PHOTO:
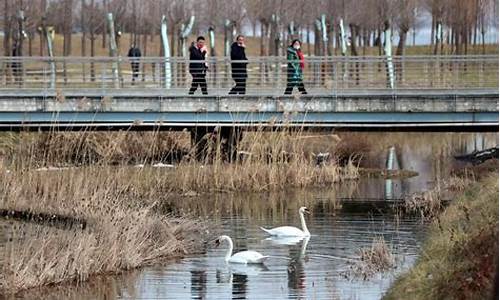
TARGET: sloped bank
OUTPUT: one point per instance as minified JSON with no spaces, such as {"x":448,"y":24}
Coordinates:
{"x":459,"y":257}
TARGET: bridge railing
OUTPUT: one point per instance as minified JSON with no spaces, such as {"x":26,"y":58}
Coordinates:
{"x":265,"y":75}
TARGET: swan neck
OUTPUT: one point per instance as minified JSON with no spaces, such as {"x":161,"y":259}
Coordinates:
{"x":230,"y":249}
{"x":304,"y":226}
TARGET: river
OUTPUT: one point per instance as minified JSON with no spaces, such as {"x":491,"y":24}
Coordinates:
{"x":319,"y":267}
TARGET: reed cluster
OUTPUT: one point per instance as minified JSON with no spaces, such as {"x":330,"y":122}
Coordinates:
{"x":376,"y":259}
{"x":262,"y":161}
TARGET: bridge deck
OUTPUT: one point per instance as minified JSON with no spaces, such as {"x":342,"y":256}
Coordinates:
{"x":459,"y":91}
{"x":354,"y":109}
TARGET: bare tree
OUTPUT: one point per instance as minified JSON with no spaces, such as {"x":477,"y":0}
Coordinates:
{"x":7,"y":27}
{"x":466,"y":22}
{"x":405,"y":19}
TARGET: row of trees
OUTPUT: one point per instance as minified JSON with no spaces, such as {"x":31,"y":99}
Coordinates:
{"x":459,"y":23}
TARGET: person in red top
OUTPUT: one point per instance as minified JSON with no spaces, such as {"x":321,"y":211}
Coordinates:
{"x":295,"y":68}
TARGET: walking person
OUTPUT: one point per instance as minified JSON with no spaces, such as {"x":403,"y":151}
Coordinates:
{"x":295,"y":68}
{"x":197,"y":66}
{"x":239,"y":69}
{"x":134,"y":53}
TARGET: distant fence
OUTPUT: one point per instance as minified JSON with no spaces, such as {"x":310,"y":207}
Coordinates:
{"x":266,"y":75}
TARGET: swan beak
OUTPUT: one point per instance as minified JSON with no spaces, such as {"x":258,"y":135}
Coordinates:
{"x":217,"y":243}
{"x":307,"y":211}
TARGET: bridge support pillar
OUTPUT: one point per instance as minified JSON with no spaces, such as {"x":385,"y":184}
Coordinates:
{"x":209,"y":142}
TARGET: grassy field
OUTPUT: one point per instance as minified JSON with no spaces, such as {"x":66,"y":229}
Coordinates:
{"x":460,"y":257}
{"x":253,"y":47}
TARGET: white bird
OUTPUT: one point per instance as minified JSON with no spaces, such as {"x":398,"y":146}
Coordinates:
{"x":243,"y":257}
{"x":283,"y":231}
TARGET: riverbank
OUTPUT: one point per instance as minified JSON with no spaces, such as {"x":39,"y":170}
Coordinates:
{"x":459,"y":258}
{"x":121,"y":230}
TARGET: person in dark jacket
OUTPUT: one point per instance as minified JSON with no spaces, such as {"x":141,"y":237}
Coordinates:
{"x":134,"y":53}
{"x":197,"y":66}
{"x":295,"y":68}
{"x":239,"y":69}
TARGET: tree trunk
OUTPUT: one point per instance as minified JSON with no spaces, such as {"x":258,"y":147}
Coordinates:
{"x":483,"y":33}
{"x":331,"y":34}
{"x":134,"y":22}
{"x":272,"y":35}
{"x":67,"y":21}
{"x":433,"y":25}
{"x":354,"y":37}
{"x":262,"y":39}
{"x":308,"y":40}
{"x":145,"y":46}
{"x":363,"y":38}
{"x":104,"y":30}
{"x":402,"y":41}
{"x":92,"y":40}
{"x":414,"y":34}
{"x":43,"y":6}
{"x":30,"y":45}
{"x":83,"y":28}
{"x":172,"y":39}
{"x":337,"y":41}
{"x":379,"y":44}
{"x":465,"y":39}
{"x":474,"y":39}
{"x":263,"y":30}
{"x":317,"y":43}
{"x":67,"y":26}
{"x":7,"y":28}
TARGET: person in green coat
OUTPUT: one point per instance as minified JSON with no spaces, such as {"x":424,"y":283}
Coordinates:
{"x":295,"y":68}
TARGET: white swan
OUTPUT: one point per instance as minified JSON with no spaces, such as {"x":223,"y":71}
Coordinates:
{"x":290,"y":230}
{"x":243,"y":257}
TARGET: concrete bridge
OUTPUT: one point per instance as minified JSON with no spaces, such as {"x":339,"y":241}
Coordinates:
{"x":434,"y":92}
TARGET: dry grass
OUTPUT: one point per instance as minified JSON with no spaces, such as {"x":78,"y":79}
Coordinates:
{"x":430,"y":204}
{"x":459,"y":257}
{"x":271,"y":160}
{"x":124,"y":231}
{"x":29,"y":150}
{"x":374,"y":260}
{"x":119,"y":203}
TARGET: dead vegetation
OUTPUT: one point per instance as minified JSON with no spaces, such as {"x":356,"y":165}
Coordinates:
{"x":459,"y":257}
{"x":124,"y":231}
{"x":265,"y":160}
{"x":373,"y":260}
{"x":430,"y":204}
